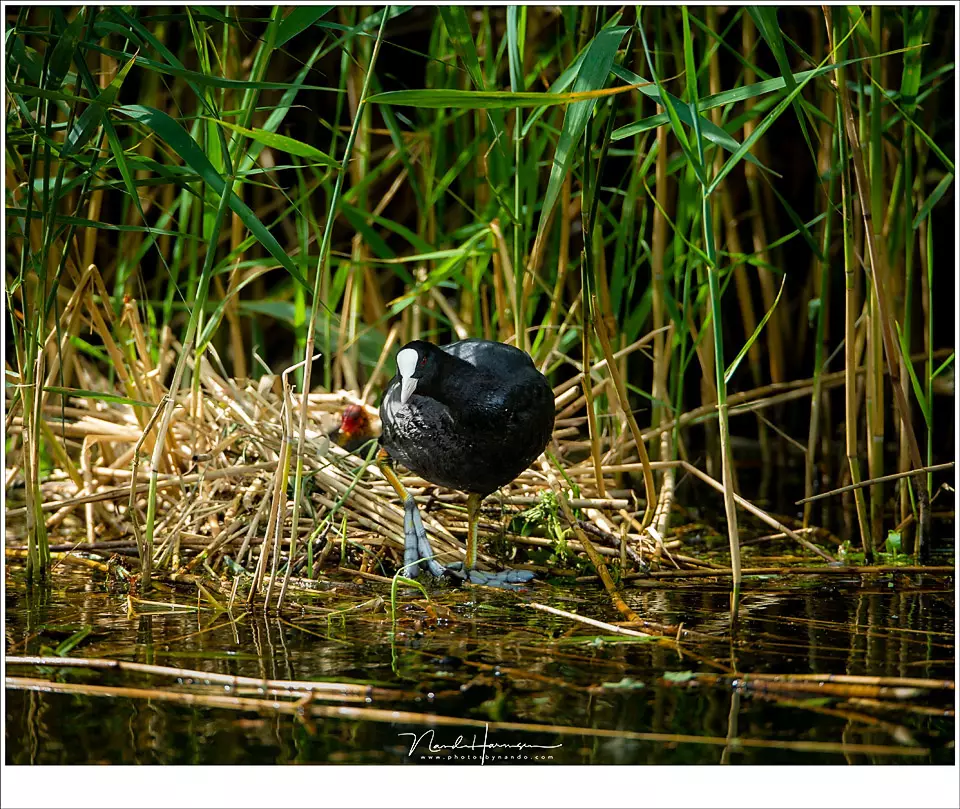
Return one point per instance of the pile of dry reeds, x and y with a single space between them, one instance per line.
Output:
223 504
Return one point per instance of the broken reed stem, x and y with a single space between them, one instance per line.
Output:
852 679
746 505
132 503
287 424
613 629
648 485
81 561
596 560
273 521
886 478
171 482
845 570
588 396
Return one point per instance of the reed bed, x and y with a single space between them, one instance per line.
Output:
216 507
718 232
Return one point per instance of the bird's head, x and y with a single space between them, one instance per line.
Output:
354 425
418 367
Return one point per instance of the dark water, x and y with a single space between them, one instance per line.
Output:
473 655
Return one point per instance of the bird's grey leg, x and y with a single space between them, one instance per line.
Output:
416 545
417 548
411 552
508 579
504 579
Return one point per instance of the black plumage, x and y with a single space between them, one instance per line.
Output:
481 413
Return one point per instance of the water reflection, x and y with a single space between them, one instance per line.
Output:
483 658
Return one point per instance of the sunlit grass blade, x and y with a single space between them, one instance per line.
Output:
935 196
79 221
592 76
914 380
711 131
732 367
86 124
488 99
514 58
442 272
284 144
98 396
568 76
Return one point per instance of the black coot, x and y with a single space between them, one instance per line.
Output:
470 416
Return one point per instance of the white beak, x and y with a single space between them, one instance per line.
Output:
407 386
